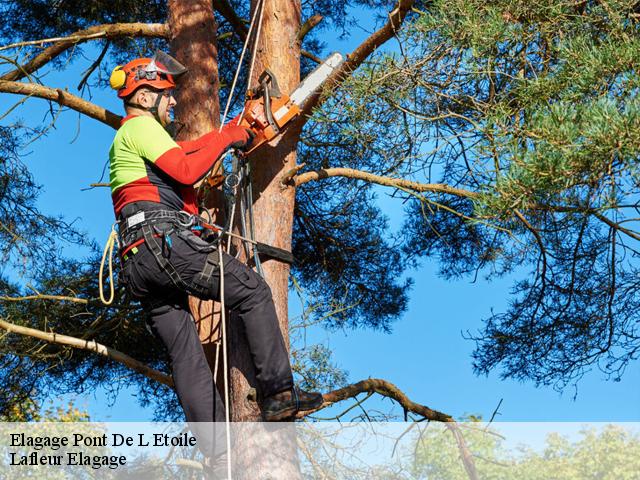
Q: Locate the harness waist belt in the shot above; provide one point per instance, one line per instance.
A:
(130, 228)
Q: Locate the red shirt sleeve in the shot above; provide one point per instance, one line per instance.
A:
(191, 162)
(191, 146)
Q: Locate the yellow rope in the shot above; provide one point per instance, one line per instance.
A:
(108, 250)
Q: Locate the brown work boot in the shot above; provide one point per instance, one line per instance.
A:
(285, 405)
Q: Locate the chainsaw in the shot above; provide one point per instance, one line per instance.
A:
(268, 111)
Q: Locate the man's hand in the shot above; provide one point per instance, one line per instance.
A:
(243, 135)
(247, 145)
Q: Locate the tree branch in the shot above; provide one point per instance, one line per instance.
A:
(291, 178)
(360, 54)
(94, 65)
(108, 31)
(92, 346)
(224, 8)
(308, 26)
(589, 211)
(616, 226)
(60, 298)
(63, 98)
(296, 180)
(388, 389)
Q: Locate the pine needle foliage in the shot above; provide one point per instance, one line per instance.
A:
(531, 110)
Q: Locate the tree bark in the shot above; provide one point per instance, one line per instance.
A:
(279, 51)
(193, 43)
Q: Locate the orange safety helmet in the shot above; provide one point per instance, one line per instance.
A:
(157, 72)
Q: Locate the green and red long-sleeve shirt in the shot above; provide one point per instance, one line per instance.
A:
(146, 164)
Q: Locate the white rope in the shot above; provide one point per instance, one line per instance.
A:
(221, 260)
(225, 365)
(255, 48)
(260, 5)
(108, 250)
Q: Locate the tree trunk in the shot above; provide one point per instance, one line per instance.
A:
(193, 41)
(279, 51)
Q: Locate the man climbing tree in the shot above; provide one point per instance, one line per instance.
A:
(164, 259)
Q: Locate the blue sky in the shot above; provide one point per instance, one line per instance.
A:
(425, 355)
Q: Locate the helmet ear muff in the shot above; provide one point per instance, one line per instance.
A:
(118, 78)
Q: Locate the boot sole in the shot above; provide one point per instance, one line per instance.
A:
(289, 412)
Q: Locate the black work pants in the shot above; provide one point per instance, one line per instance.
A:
(245, 292)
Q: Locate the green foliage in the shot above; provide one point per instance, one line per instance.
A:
(27, 237)
(54, 19)
(608, 453)
(345, 259)
(317, 372)
(32, 369)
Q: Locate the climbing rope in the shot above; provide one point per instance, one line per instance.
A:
(225, 360)
(260, 6)
(112, 241)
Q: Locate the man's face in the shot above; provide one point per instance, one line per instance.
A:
(148, 98)
(165, 109)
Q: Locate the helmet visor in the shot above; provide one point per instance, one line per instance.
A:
(165, 63)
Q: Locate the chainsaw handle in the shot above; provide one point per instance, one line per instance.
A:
(266, 94)
(269, 77)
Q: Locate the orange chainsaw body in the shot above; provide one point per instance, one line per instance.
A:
(267, 111)
(255, 118)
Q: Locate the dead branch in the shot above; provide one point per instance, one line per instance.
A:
(60, 298)
(94, 65)
(386, 389)
(92, 346)
(108, 31)
(361, 53)
(296, 180)
(465, 453)
(42, 41)
(63, 98)
(288, 176)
